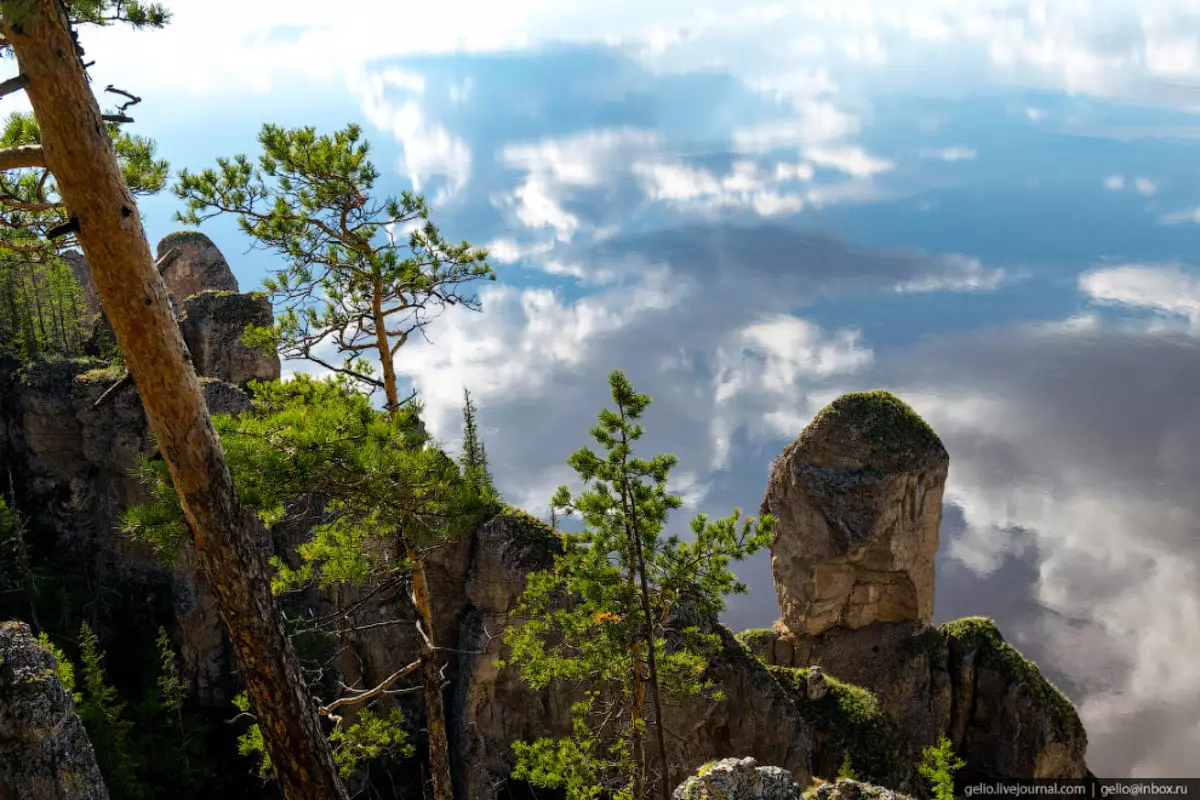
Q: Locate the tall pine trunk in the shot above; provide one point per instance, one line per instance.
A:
(629, 509)
(431, 676)
(636, 715)
(79, 153)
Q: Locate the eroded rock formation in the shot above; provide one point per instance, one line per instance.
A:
(858, 504)
(44, 751)
(213, 325)
(199, 266)
(493, 708)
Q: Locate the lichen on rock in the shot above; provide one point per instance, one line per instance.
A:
(44, 751)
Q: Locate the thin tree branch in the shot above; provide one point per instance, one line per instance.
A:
(22, 157)
(13, 85)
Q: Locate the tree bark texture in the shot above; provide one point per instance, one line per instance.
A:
(77, 150)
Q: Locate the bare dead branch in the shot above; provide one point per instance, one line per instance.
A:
(133, 99)
(368, 694)
(13, 85)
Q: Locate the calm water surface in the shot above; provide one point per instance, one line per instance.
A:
(990, 208)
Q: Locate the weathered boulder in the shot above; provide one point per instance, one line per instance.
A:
(853, 790)
(199, 265)
(858, 504)
(44, 750)
(213, 324)
(738, 779)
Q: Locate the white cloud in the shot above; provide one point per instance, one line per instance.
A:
(760, 375)
(1034, 114)
(850, 160)
(1145, 186)
(1186, 215)
(1162, 288)
(1114, 183)
(951, 154)
(695, 189)
(819, 123)
(558, 169)
(955, 274)
(461, 92)
(429, 149)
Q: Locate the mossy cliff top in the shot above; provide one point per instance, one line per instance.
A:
(881, 422)
(981, 634)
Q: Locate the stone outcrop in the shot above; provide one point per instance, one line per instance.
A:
(743, 779)
(857, 499)
(199, 266)
(44, 751)
(738, 779)
(858, 505)
(213, 325)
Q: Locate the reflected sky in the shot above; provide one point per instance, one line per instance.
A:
(992, 208)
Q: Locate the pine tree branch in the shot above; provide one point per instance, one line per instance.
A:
(13, 85)
(22, 157)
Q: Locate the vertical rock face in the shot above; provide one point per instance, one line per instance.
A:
(213, 325)
(198, 266)
(858, 504)
(44, 751)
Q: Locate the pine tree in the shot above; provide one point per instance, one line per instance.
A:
(103, 716)
(352, 279)
(474, 459)
(318, 450)
(601, 615)
(77, 148)
(937, 767)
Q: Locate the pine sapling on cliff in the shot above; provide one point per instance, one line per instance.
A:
(604, 616)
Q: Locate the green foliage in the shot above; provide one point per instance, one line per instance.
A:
(583, 766)
(846, 770)
(888, 422)
(370, 736)
(586, 620)
(103, 715)
(937, 767)
(853, 723)
(311, 447)
(250, 742)
(62, 666)
(14, 552)
(41, 304)
(347, 279)
(474, 461)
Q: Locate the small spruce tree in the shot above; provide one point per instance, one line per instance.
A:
(601, 616)
(938, 766)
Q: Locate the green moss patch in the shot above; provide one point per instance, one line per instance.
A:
(849, 719)
(885, 421)
(186, 237)
(981, 633)
(107, 374)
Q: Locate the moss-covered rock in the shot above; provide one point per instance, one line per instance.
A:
(845, 719)
(979, 635)
(897, 431)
